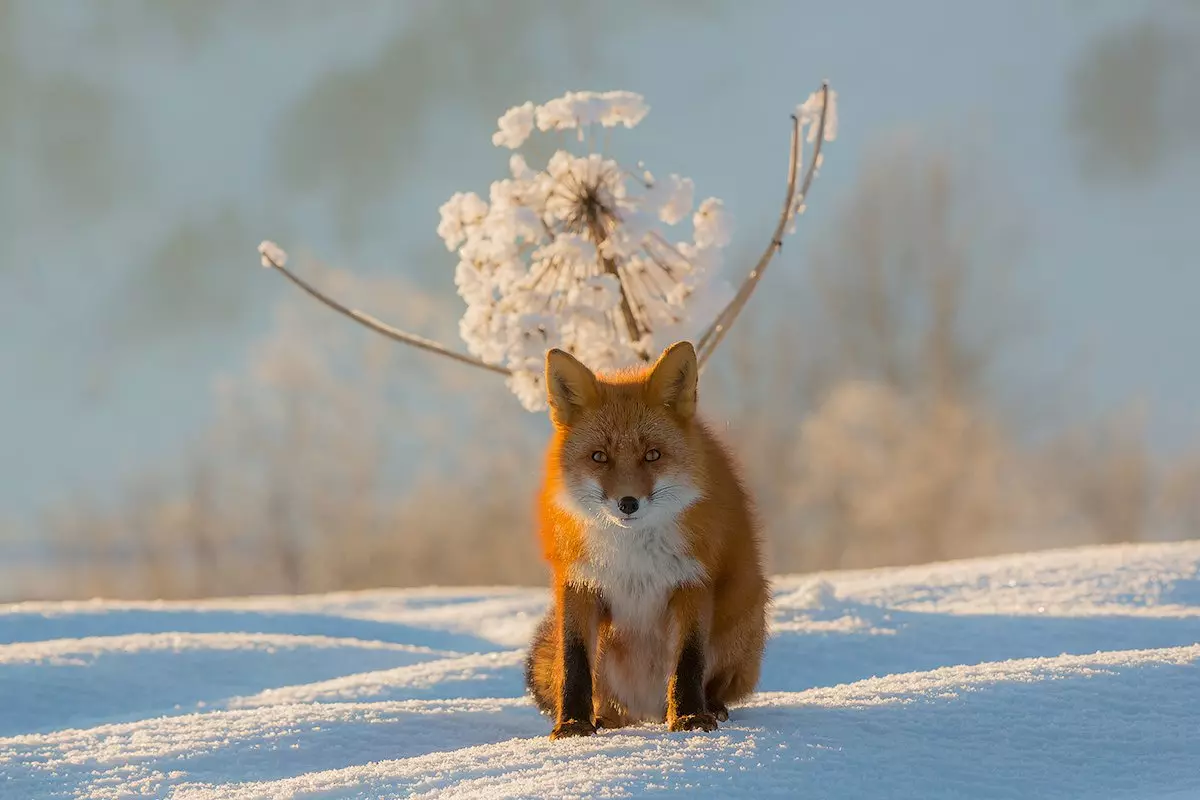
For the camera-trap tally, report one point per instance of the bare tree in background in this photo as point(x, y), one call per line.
point(861, 397)
point(1177, 510)
point(872, 431)
point(908, 452)
point(1134, 100)
point(336, 461)
point(1108, 472)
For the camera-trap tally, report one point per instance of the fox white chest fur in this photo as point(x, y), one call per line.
point(635, 570)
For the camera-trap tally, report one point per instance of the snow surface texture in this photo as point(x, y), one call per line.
point(1060, 674)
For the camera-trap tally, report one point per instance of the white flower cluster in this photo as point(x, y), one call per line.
point(574, 110)
point(577, 254)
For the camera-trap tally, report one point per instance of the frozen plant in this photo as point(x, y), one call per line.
point(588, 254)
point(581, 253)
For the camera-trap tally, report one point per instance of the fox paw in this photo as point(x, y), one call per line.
point(573, 727)
point(719, 711)
point(611, 721)
point(703, 721)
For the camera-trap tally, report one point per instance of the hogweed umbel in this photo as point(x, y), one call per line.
point(585, 253)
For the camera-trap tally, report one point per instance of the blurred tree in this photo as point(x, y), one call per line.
point(1110, 476)
point(72, 117)
point(58, 123)
point(912, 282)
point(905, 456)
point(326, 467)
point(193, 282)
point(865, 416)
point(1178, 507)
point(359, 129)
point(1134, 95)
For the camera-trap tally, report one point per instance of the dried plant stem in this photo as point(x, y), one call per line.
point(387, 330)
point(715, 332)
point(596, 228)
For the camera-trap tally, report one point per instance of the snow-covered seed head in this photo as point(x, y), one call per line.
point(578, 254)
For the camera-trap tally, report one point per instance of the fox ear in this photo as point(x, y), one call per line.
point(570, 386)
point(673, 380)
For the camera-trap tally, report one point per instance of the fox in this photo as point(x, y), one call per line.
point(659, 611)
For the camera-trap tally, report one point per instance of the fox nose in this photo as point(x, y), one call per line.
point(627, 505)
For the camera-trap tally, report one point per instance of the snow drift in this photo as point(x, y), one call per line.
point(1060, 674)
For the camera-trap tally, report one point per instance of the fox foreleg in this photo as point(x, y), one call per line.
point(691, 610)
point(577, 611)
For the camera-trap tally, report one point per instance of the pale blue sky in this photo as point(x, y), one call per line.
point(107, 358)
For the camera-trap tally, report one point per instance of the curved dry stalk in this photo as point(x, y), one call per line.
point(715, 332)
point(382, 327)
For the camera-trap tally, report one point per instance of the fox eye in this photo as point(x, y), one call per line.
point(653, 455)
point(600, 456)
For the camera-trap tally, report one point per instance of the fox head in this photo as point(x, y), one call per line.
point(630, 451)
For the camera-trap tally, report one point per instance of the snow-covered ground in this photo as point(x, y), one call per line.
point(1062, 674)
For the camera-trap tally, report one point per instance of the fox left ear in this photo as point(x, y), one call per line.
point(673, 379)
point(570, 386)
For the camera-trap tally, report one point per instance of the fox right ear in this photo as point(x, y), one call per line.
point(570, 386)
point(673, 379)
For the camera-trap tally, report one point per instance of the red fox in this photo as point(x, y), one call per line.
point(660, 599)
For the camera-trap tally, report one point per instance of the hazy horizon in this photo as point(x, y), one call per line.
point(146, 149)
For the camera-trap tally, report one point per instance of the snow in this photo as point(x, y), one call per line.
point(272, 254)
point(1060, 674)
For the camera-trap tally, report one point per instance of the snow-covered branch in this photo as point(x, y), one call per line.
point(274, 257)
point(821, 108)
point(582, 254)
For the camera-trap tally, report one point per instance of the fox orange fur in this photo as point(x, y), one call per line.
point(660, 599)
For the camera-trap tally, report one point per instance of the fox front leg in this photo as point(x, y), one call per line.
point(686, 710)
point(575, 694)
